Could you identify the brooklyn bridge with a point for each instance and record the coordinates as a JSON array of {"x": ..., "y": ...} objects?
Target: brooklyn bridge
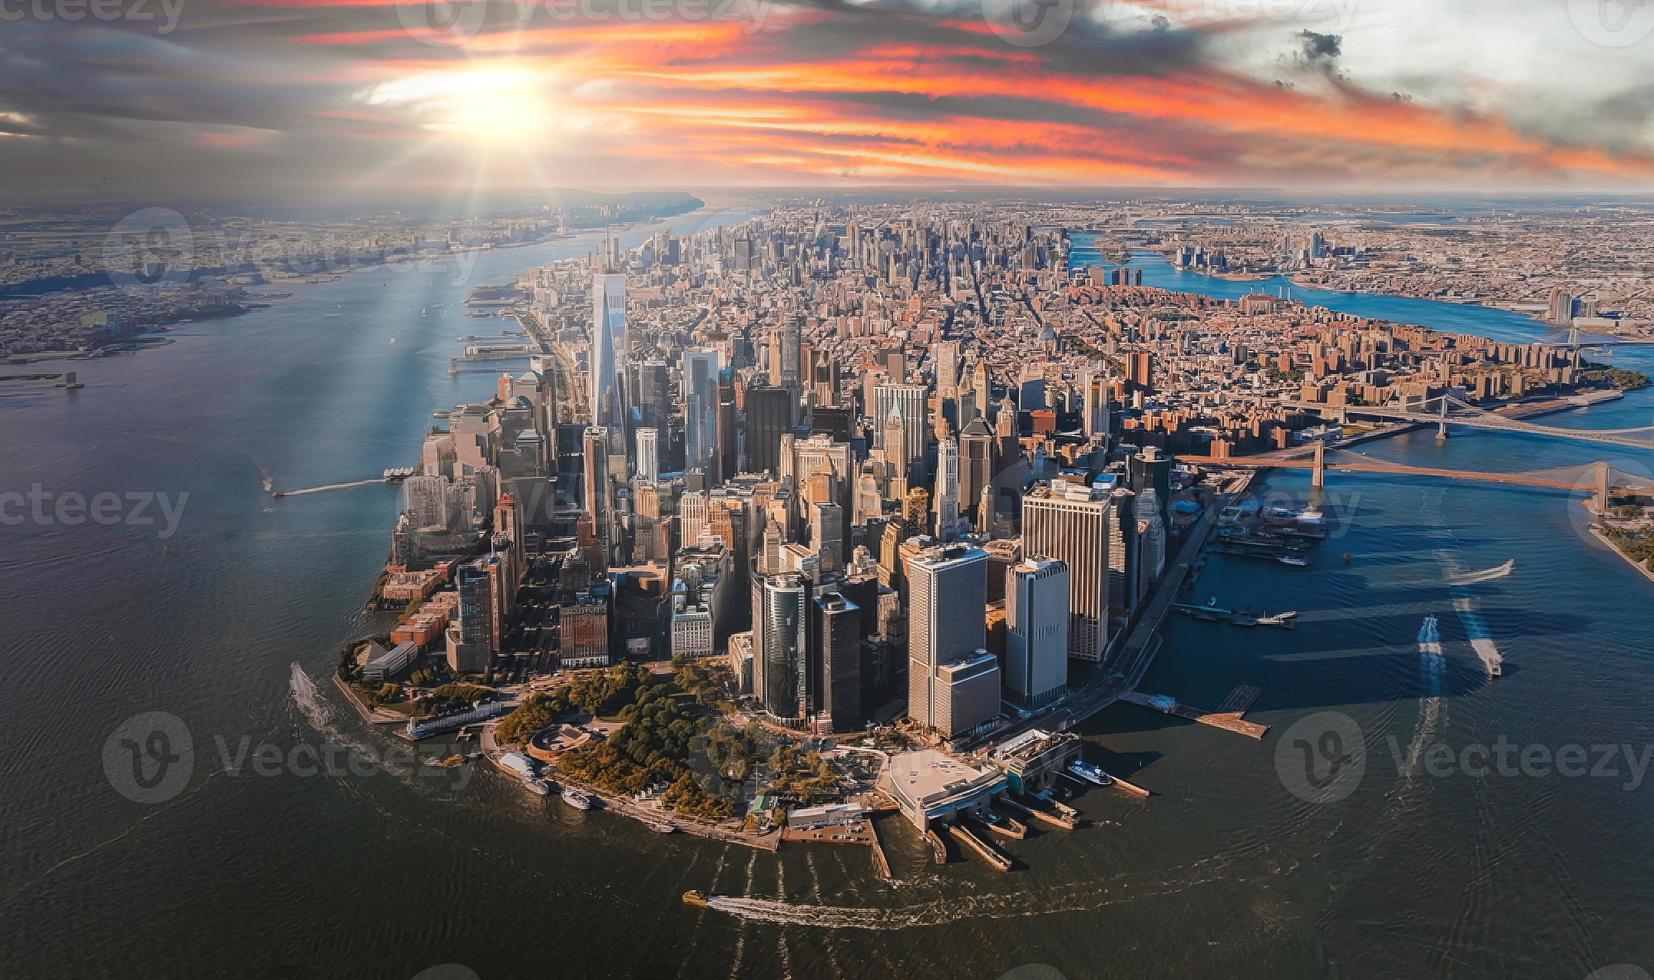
[{"x": 1599, "y": 480}]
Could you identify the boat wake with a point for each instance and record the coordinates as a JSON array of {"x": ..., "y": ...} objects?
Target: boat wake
[
  {"x": 1431, "y": 667},
  {"x": 308, "y": 699},
  {"x": 1481, "y": 639},
  {"x": 1485, "y": 575},
  {"x": 1083, "y": 897}
]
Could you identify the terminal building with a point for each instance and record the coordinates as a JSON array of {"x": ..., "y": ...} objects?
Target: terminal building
[
  {"x": 931, "y": 787},
  {"x": 1033, "y": 761}
]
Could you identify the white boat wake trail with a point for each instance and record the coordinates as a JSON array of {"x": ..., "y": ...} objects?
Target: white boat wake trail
[{"x": 1431, "y": 667}]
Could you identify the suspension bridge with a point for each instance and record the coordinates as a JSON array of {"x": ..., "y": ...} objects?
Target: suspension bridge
[
  {"x": 1449, "y": 410},
  {"x": 1599, "y": 480}
]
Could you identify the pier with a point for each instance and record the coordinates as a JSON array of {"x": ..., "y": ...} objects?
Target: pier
[
  {"x": 1229, "y": 720},
  {"x": 973, "y": 844},
  {"x": 1065, "y": 819},
  {"x": 938, "y": 847}
]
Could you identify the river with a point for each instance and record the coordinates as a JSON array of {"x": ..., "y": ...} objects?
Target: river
[{"x": 232, "y": 624}]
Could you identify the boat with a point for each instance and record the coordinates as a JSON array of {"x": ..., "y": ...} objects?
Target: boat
[
  {"x": 695, "y": 898},
  {"x": 662, "y": 827},
  {"x": 576, "y": 799},
  {"x": 1089, "y": 772},
  {"x": 1348, "y": 558},
  {"x": 1282, "y": 619},
  {"x": 1294, "y": 560}
]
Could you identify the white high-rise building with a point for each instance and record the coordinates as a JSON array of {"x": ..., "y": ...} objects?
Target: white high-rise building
[
  {"x": 945, "y": 501},
  {"x": 1036, "y": 630},
  {"x": 648, "y": 454},
  {"x": 1070, "y": 523},
  {"x": 946, "y": 623}
]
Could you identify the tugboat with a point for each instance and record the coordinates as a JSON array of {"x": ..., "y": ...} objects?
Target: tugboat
[{"x": 694, "y": 898}]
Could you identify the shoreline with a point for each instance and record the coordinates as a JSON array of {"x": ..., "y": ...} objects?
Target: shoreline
[
  {"x": 492, "y": 750},
  {"x": 1634, "y": 563}
]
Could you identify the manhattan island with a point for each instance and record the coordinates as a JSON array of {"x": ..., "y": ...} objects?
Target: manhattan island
[{"x": 850, "y": 510}]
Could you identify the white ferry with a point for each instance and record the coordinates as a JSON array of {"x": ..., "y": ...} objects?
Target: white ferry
[{"x": 1089, "y": 772}]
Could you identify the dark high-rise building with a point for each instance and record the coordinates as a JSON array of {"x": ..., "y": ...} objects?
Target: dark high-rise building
[
  {"x": 769, "y": 417},
  {"x": 1152, "y": 469},
  {"x": 976, "y": 464},
  {"x": 838, "y": 632}
]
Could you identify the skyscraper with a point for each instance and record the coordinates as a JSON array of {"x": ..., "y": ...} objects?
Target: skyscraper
[
  {"x": 1036, "y": 630},
  {"x": 648, "y": 454},
  {"x": 947, "y": 599},
  {"x": 976, "y": 464},
  {"x": 946, "y": 497},
  {"x": 838, "y": 631},
  {"x": 778, "y": 642},
  {"x": 1070, "y": 523},
  {"x": 608, "y": 358},
  {"x": 906, "y": 402},
  {"x": 769, "y": 416},
  {"x": 1094, "y": 394},
  {"x": 699, "y": 386}
]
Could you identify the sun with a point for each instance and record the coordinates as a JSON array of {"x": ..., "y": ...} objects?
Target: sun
[{"x": 494, "y": 105}]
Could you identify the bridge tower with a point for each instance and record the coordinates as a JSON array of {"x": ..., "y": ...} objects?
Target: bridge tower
[
  {"x": 1441, "y": 426},
  {"x": 1318, "y": 476},
  {"x": 1603, "y": 471}
]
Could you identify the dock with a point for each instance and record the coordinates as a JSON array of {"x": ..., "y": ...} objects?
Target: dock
[
  {"x": 1130, "y": 788},
  {"x": 1007, "y": 827},
  {"x": 991, "y": 855},
  {"x": 1059, "y": 820},
  {"x": 938, "y": 847},
  {"x": 881, "y": 863},
  {"x": 1227, "y": 720}
]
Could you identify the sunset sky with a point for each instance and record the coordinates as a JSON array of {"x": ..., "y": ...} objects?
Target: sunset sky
[{"x": 282, "y": 99}]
